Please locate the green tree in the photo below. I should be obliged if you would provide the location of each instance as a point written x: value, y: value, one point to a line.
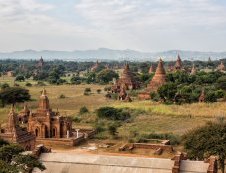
x: 25, y: 163
x: 168, y: 91
x: 221, y: 83
x: 207, y: 140
x: 105, y: 76
x: 13, y: 95
x: 20, y: 78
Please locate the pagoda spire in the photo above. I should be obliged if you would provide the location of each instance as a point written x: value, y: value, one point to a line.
x: 12, y: 120
x: 44, y: 101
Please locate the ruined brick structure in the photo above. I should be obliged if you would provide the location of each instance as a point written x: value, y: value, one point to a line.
x: 221, y: 67
x: 40, y: 63
x: 45, y: 123
x: 123, y: 96
x: 193, y: 70
x: 13, y: 133
x: 159, y: 78
x: 95, y: 66
x: 178, y: 66
x: 202, y: 96
x: 24, y: 114
x: 157, y: 81
x: 127, y: 79
x: 151, y: 69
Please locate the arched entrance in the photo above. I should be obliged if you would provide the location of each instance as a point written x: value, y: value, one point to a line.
x: 54, y: 132
x: 37, y: 132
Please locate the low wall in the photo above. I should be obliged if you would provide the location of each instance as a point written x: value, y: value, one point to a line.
x: 60, y: 142
x: 153, y: 146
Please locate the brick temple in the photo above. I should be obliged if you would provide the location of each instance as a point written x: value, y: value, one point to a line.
x: 157, y: 81
x: 159, y: 78
x: 221, y: 67
x: 40, y: 63
x: 13, y: 133
x: 45, y: 123
x: 178, y: 66
x: 151, y: 69
x: 193, y: 70
x: 95, y: 66
x: 127, y: 79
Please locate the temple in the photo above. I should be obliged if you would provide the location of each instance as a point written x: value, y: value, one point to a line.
x: 178, y: 65
x: 123, y: 96
x: 95, y: 66
x: 159, y: 78
x: 127, y: 79
x: 45, y: 123
x: 151, y: 69
x: 40, y: 63
x: 13, y: 133
x: 23, y: 115
x: 202, y: 96
x: 193, y: 70
x: 157, y: 81
x: 221, y: 67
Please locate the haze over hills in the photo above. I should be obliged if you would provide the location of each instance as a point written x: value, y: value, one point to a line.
x: 110, y: 54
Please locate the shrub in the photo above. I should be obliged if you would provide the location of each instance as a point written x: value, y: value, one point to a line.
x: 99, y: 128
x: 83, y: 110
x: 40, y: 83
x: 113, y: 113
x: 76, y: 119
x: 112, y: 129
x: 86, y: 93
x: 87, y: 90
x: 62, y: 96
x: 107, y: 88
x: 20, y: 78
x: 28, y: 84
x: 98, y: 91
x: 4, y: 86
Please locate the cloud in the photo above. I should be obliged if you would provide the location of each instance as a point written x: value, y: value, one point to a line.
x: 147, y: 25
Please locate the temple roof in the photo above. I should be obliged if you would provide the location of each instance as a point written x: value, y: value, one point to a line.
x: 178, y: 64
x: 151, y: 69
x: 193, y: 70
x: 12, y: 120
x: 221, y: 66
x: 44, y: 101
x: 160, y: 68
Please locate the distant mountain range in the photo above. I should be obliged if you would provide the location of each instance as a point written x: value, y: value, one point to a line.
x: 104, y: 54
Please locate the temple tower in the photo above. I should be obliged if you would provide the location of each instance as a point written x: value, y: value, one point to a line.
x: 127, y: 79
x: 151, y: 69
x: 221, y: 67
x: 178, y: 65
x: 159, y: 78
x: 43, y: 102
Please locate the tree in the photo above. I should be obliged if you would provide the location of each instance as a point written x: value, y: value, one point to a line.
x: 207, y: 140
x: 8, y: 151
x: 76, y: 80
x: 112, y: 128
x: 13, y: 95
x: 11, y: 160
x: 221, y: 83
x: 25, y: 163
x: 20, y: 78
x: 105, y: 76
x: 168, y: 91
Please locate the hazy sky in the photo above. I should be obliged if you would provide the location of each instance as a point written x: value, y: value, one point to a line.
x: 145, y: 25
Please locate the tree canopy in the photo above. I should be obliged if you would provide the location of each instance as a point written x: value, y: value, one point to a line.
x: 210, y: 139
x: 13, y: 95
